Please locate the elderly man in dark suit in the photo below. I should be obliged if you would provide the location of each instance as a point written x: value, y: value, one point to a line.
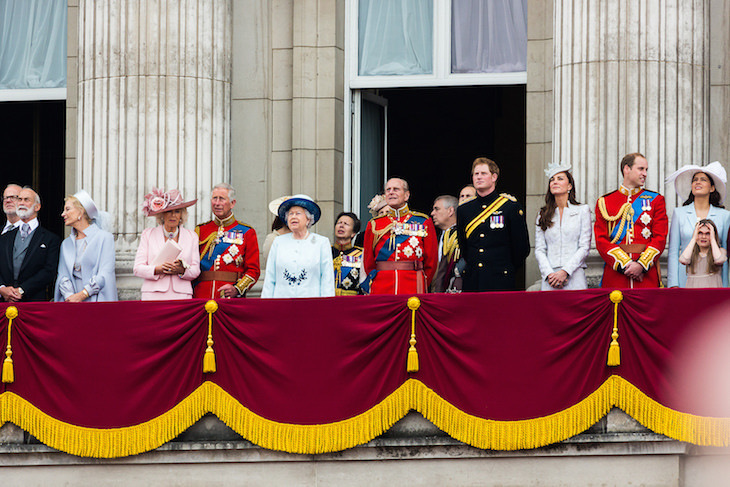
x: 28, y: 254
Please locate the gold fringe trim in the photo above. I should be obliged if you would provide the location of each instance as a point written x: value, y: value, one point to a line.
x: 337, y: 436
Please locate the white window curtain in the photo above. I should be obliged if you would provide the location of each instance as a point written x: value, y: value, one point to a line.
x: 396, y: 37
x: 32, y: 44
x: 488, y: 36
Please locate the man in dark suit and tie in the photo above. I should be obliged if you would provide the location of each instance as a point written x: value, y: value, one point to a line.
x: 28, y: 254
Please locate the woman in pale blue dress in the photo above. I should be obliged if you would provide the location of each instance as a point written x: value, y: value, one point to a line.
x: 300, y: 262
x: 87, y: 262
x: 702, y: 188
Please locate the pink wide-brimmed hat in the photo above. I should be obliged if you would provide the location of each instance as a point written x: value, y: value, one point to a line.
x: 159, y: 201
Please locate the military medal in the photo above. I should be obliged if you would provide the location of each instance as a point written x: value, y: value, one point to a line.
x: 646, y: 233
x: 645, y: 203
x: 496, y: 221
x: 645, y: 218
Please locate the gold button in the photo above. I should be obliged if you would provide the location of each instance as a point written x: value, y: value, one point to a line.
x: 484, y: 206
x: 481, y: 250
x: 480, y: 264
x: 505, y: 273
x: 481, y: 235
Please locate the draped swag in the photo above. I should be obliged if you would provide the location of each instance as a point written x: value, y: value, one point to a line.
x: 499, y: 371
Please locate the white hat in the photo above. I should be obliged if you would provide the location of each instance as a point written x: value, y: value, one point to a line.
x: 88, y: 204
x: 682, y: 178
x: 274, y: 204
x: 554, y: 168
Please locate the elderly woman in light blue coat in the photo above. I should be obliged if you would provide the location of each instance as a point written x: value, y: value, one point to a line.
x: 702, y: 188
x: 87, y: 262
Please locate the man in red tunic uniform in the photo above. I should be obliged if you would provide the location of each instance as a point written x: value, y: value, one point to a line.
x: 631, y: 229
x: 400, y: 248
x: 229, y: 250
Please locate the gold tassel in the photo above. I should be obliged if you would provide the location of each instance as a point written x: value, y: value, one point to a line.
x: 614, y: 352
x: 8, y: 373
x: 209, y: 357
x: 412, y: 365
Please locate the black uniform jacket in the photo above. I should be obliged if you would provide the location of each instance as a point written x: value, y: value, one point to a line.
x: 497, y: 248
x: 39, y: 268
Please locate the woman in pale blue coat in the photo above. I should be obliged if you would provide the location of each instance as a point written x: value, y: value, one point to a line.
x: 300, y: 262
x: 87, y: 262
x: 703, y: 189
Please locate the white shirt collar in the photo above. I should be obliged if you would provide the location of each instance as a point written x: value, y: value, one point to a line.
x: 33, y: 223
x: 9, y: 226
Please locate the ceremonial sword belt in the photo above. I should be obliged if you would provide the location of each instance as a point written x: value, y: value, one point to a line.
x: 633, y: 248
x: 225, y: 276
x: 403, y: 265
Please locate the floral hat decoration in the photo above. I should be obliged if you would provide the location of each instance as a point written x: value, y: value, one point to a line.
x: 376, y: 204
x: 159, y: 201
x: 556, y: 167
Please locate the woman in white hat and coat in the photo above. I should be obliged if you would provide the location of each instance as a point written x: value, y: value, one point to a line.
x: 300, y: 262
x: 87, y: 262
x: 702, y: 188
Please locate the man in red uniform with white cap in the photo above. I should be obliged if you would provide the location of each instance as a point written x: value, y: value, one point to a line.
x: 229, y: 250
x: 631, y: 229
x: 400, y: 248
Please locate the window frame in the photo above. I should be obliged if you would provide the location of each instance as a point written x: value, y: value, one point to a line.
x: 441, y: 52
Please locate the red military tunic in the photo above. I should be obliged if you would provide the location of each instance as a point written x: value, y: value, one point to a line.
x: 401, y: 252
x: 229, y: 254
x: 631, y: 225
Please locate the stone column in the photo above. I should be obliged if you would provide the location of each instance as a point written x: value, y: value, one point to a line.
x: 154, y: 87
x: 630, y: 75
x: 317, y: 107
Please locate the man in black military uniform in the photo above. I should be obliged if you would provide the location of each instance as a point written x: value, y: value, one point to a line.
x: 492, y: 233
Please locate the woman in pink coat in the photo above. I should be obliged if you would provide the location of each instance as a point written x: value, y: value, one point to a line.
x: 167, y: 257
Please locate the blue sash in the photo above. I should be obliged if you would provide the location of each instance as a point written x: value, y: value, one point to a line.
x: 206, y: 263
x: 637, y: 206
x: 385, y: 251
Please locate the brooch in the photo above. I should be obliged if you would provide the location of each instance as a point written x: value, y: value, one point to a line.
x: 295, y: 280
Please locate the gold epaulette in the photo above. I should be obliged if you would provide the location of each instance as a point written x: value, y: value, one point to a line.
x: 508, y: 196
x: 418, y: 213
x: 244, y: 224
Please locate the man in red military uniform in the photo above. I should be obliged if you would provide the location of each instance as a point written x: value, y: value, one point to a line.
x: 400, y: 248
x: 229, y: 250
x: 631, y: 229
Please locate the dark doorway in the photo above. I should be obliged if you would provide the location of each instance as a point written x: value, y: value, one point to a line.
x: 32, y: 135
x: 434, y: 135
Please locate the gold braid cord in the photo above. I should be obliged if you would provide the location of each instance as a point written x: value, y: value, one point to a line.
x: 623, y: 213
x: 378, y: 234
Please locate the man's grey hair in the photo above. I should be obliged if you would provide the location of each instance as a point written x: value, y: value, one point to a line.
x: 310, y: 217
x: 403, y: 181
x: 227, y: 187
x: 448, y: 201
x: 37, y: 196
x: 12, y: 185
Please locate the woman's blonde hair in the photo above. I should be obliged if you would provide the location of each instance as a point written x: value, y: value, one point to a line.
x: 183, y: 216
x: 75, y: 202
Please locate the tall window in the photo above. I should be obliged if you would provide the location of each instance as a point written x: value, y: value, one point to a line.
x: 33, y: 49
x: 437, y: 42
